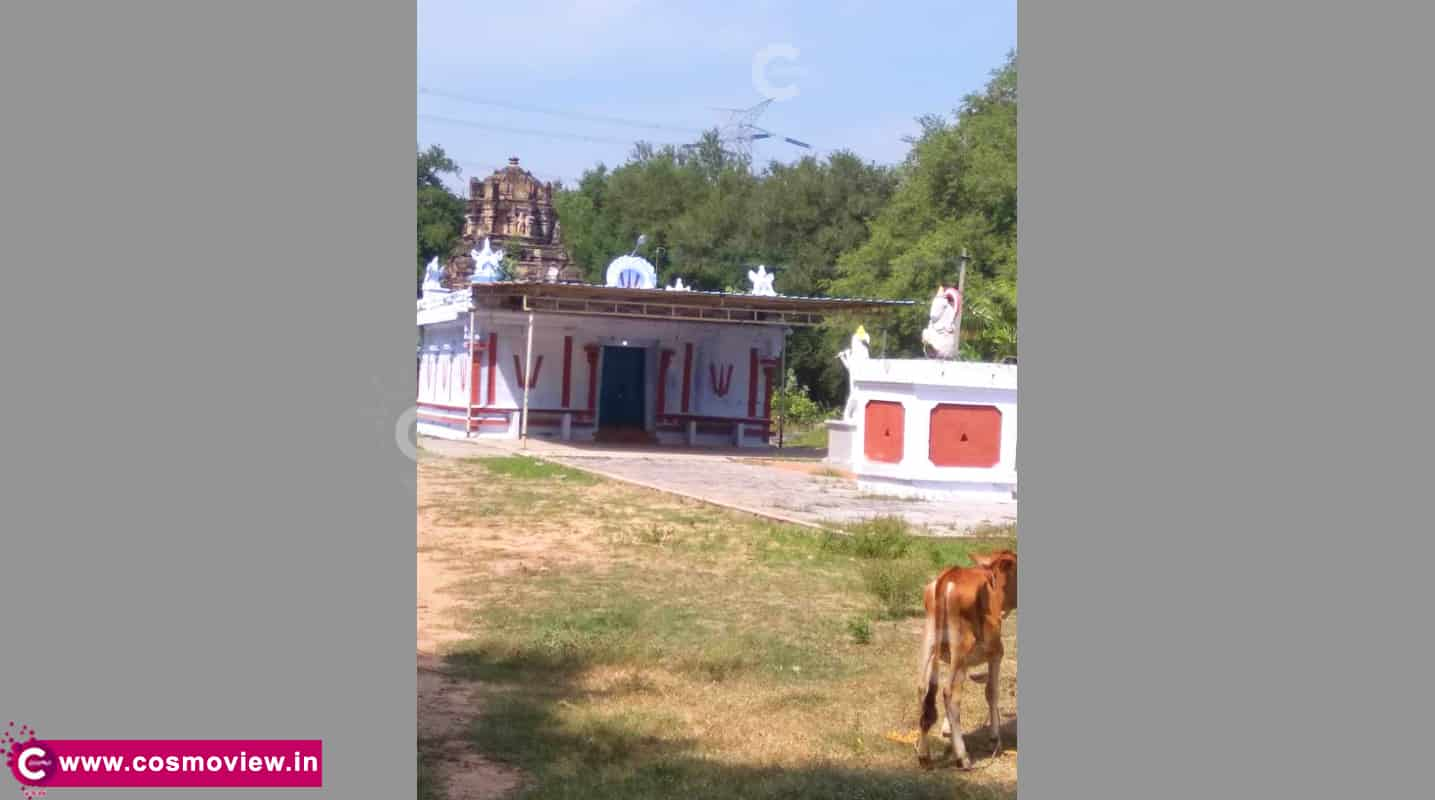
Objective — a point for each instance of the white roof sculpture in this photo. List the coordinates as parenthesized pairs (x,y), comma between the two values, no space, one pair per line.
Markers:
(433,279)
(761,281)
(632,272)
(678,286)
(487,264)
(855,353)
(939,339)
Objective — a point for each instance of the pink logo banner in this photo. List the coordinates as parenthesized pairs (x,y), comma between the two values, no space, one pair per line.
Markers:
(166,763)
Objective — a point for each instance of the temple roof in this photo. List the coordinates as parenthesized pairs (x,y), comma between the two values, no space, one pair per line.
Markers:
(701,306)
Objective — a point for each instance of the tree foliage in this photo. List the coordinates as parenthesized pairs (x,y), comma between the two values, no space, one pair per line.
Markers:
(440,212)
(958,190)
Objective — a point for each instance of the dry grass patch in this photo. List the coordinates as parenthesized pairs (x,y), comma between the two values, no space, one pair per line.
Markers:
(672,649)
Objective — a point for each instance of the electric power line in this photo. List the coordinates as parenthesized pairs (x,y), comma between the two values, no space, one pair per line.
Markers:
(535,132)
(559,113)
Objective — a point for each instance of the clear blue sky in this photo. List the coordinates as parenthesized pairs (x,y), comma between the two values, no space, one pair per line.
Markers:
(864,71)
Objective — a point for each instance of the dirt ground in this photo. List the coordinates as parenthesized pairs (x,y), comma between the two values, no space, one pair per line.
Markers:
(446,707)
(461,561)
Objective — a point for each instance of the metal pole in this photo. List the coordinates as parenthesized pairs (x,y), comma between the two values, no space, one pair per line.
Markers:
(525,377)
(468,401)
(961,293)
(782,392)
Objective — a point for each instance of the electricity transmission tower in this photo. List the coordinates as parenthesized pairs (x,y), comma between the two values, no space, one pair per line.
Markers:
(741,130)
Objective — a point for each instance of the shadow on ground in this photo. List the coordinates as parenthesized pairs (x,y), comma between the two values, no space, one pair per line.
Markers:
(577,755)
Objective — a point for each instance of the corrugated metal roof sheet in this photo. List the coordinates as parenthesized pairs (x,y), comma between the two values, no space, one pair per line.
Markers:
(692,296)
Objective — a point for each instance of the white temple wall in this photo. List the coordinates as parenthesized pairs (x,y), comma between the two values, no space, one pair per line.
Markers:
(897,443)
(443,370)
(720,350)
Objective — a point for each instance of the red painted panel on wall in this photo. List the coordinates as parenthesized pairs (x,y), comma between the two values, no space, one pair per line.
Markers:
(965,436)
(883,434)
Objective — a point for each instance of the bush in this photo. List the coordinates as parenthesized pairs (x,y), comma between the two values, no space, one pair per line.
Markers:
(897,585)
(881,538)
(795,405)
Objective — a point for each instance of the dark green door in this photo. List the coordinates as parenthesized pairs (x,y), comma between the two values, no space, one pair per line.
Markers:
(620,399)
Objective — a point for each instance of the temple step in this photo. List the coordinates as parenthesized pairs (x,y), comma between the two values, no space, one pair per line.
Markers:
(611,435)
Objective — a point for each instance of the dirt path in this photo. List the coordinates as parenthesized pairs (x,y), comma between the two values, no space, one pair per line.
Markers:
(447,707)
(790,491)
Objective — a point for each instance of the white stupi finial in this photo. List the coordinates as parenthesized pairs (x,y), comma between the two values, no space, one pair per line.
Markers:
(487,263)
(631,272)
(761,281)
(678,286)
(433,278)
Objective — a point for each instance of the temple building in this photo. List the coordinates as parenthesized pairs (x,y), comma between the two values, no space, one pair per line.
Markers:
(514,210)
(625,360)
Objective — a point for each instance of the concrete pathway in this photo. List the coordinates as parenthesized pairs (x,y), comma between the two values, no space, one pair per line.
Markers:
(787,485)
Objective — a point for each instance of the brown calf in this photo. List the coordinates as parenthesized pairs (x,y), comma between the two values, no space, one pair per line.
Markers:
(965,610)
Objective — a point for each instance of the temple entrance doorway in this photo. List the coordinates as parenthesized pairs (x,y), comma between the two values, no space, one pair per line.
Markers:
(621,394)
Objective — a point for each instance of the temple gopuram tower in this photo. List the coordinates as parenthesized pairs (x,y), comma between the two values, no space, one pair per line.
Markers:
(514,210)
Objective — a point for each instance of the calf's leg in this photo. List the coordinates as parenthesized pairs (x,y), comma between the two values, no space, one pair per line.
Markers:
(994,667)
(927,690)
(952,699)
(952,696)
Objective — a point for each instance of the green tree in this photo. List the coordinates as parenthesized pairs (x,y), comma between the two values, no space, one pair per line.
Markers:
(440,212)
(957,190)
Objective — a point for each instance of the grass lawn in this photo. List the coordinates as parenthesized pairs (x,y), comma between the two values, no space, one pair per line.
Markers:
(626,643)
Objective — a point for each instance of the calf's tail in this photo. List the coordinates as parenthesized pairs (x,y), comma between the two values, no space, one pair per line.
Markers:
(931,660)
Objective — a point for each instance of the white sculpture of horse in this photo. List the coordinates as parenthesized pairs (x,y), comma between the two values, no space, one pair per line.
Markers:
(939,340)
(487,263)
(761,281)
(855,352)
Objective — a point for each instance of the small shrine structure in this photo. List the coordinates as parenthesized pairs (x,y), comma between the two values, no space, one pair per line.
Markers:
(936,427)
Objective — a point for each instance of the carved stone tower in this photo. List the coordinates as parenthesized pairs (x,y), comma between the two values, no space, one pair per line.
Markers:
(514,210)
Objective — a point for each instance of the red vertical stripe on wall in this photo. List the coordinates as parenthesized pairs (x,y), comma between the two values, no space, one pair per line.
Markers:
(687,375)
(492,368)
(769,371)
(567,368)
(591,350)
(665,360)
(752,384)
